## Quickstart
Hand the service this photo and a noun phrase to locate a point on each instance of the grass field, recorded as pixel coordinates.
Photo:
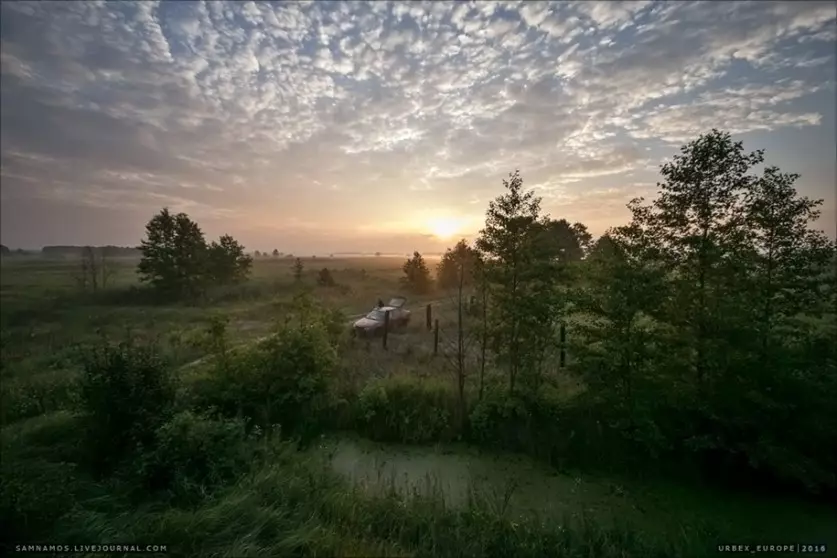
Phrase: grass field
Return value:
(297, 505)
(44, 317)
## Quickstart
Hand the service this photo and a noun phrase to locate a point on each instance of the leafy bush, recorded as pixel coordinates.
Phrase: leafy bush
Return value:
(28, 396)
(194, 454)
(283, 380)
(33, 494)
(126, 394)
(406, 409)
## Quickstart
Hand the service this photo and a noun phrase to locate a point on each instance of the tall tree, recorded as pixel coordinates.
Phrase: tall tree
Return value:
(624, 288)
(699, 221)
(789, 257)
(275, 253)
(521, 279)
(567, 242)
(456, 266)
(456, 270)
(416, 274)
(173, 254)
(227, 263)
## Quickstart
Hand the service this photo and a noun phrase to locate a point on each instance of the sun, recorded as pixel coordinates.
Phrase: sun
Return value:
(444, 227)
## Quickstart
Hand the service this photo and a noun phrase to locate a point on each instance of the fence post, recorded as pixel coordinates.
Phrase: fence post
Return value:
(429, 317)
(436, 337)
(386, 328)
(563, 337)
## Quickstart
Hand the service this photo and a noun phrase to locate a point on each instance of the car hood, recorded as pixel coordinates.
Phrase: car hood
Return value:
(366, 323)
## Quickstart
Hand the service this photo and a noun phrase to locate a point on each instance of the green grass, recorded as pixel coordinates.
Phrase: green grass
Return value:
(289, 501)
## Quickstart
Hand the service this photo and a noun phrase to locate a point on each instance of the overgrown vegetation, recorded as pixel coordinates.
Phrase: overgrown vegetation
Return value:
(700, 333)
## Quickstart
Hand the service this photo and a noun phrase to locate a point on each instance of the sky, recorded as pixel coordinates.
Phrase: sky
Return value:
(316, 127)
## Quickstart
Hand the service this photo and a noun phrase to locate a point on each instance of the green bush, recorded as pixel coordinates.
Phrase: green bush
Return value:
(126, 394)
(194, 454)
(282, 381)
(406, 409)
(34, 493)
(31, 395)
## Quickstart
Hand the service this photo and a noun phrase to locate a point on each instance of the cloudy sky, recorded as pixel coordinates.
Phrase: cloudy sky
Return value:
(341, 126)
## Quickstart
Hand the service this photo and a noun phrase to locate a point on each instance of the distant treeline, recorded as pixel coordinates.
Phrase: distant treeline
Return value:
(113, 251)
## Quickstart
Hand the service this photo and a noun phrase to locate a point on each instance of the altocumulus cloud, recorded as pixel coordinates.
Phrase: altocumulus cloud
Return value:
(310, 120)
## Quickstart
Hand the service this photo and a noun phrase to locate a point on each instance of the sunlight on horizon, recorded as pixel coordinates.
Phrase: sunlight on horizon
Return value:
(445, 227)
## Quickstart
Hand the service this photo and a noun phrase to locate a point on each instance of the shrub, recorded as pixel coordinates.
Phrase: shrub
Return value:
(34, 493)
(36, 394)
(194, 454)
(126, 394)
(406, 409)
(283, 380)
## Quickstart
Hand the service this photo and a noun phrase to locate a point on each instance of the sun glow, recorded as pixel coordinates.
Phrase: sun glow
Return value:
(444, 227)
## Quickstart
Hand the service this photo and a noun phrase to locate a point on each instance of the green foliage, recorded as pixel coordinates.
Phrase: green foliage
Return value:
(416, 274)
(37, 393)
(194, 454)
(324, 278)
(406, 409)
(33, 495)
(521, 274)
(698, 303)
(282, 381)
(624, 291)
(173, 255)
(227, 264)
(566, 243)
(126, 394)
(177, 262)
(457, 266)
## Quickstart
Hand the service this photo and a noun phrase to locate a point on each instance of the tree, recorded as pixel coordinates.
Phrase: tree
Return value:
(456, 266)
(324, 278)
(416, 274)
(521, 279)
(298, 269)
(4, 250)
(227, 263)
(566, 242)
(789, 257)
(173, 255)
(698, 220)
(275, 253)
(624, 288)
(747, 281)
(792, 325)
(583, 236)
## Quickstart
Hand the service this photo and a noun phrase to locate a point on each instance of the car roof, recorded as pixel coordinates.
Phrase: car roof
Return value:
(397, 301)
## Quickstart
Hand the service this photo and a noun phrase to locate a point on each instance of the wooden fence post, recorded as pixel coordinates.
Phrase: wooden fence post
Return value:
(436, 337)
(386, 328)
(429, 319)
(563, 337)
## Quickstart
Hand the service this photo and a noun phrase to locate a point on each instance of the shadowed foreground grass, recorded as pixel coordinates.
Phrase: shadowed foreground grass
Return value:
(287, 502)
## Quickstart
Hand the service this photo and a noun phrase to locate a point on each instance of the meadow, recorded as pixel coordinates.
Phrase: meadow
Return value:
(239, 488)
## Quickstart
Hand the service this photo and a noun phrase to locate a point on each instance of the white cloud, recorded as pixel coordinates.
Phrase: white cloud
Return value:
(425, 93)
